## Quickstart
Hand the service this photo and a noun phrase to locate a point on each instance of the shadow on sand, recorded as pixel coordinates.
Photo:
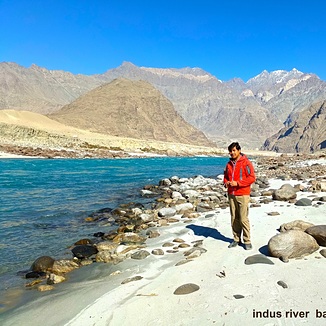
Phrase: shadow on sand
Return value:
(208, 232)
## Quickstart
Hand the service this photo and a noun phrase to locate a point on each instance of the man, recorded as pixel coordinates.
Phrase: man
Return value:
(239, 174)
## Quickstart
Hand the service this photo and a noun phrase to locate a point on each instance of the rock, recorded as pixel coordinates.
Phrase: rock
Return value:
(189, 194)
(238, 296)
(175, 179)
(34, 274)
(98, 234)
(152, 234)
(258, 259)
(322, 186)
(323, 252)
(31, 284)
(181, 208)
(147, 193)
(178, 240)
(186, 289)
(165, 182)
(132, 279)
(183, 245)
(55, 279)
(166, 212)
(172, 220)
(83, 242)
(292, 244)
(123, 249)
(129, 238)
(194, 252)
(176, 195)
(157, 252)
(295, 225)
(273, 213)
(43, 288)
(190, 215)
(64, 266)
(204, 207)
(267, 193)
(107, 245)
(285, 193)
(168, 244)
(104, 256)
(42, 264)
(282, 284)
(303, 202)
(319, 233)
(141, 254)
(84, 251)
(86, 262)
(147, 217)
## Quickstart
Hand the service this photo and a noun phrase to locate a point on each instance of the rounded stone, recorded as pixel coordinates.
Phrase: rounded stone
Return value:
(157, 252)
(42, 264)
(141, 254)
(258, 259)
(84, 251)
(186, 289)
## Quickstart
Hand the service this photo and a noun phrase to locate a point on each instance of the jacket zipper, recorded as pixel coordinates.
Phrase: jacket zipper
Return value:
(233, 170)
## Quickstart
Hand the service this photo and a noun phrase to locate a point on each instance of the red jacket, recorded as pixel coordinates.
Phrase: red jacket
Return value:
(241, 171)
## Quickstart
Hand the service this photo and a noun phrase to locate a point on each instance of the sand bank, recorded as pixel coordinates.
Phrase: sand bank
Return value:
(230, 292)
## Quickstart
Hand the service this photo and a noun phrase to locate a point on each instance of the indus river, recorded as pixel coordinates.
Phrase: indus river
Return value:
(44, 203)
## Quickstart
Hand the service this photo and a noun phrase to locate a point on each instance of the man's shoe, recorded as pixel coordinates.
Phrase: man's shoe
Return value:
(248, 246)
(233, 244)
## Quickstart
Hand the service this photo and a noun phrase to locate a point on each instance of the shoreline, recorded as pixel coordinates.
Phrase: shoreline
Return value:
(215, 300)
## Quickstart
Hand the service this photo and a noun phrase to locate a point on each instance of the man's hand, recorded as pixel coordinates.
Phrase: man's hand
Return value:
(231, 183)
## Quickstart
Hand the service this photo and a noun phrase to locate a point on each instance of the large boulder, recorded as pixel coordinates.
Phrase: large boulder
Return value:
(285, 193)
(292, 244)
(42, 264)
(84, 251)
(319, 233)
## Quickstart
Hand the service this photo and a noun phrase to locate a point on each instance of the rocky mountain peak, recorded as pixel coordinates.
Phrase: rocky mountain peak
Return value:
(129, 108)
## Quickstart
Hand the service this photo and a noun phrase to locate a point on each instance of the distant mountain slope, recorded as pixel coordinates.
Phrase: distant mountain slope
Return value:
(210, 105)
(40, 90)
(248, 111)
(306, 134)
(128, 108)
(34, 131)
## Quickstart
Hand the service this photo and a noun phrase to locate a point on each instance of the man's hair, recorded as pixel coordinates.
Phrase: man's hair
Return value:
(234, 144)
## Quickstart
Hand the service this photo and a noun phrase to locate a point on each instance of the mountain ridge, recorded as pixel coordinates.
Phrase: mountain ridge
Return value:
(249, 111)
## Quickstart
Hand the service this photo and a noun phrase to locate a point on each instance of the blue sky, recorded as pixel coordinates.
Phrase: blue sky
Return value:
(226, 38)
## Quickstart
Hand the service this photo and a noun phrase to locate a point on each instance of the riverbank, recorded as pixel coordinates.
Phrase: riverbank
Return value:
(226, 289)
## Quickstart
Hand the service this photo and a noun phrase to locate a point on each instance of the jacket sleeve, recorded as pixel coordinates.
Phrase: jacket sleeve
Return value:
(226, 178)
(250, 176)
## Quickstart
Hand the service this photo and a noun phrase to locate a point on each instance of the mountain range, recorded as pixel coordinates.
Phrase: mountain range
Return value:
(251, 112)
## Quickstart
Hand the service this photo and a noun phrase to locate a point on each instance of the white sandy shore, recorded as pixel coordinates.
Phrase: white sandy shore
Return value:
(9, 155)
(150, 301)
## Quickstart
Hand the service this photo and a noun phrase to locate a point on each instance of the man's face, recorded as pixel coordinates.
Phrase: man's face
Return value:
(235, 153)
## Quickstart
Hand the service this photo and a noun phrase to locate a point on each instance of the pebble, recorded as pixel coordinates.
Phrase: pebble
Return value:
(141, 254)
(273, 213)
(239, 296)
(43, 288)
(186, 289)
(258, 259)
(282, 284)
(131, 279)
(157, 252)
